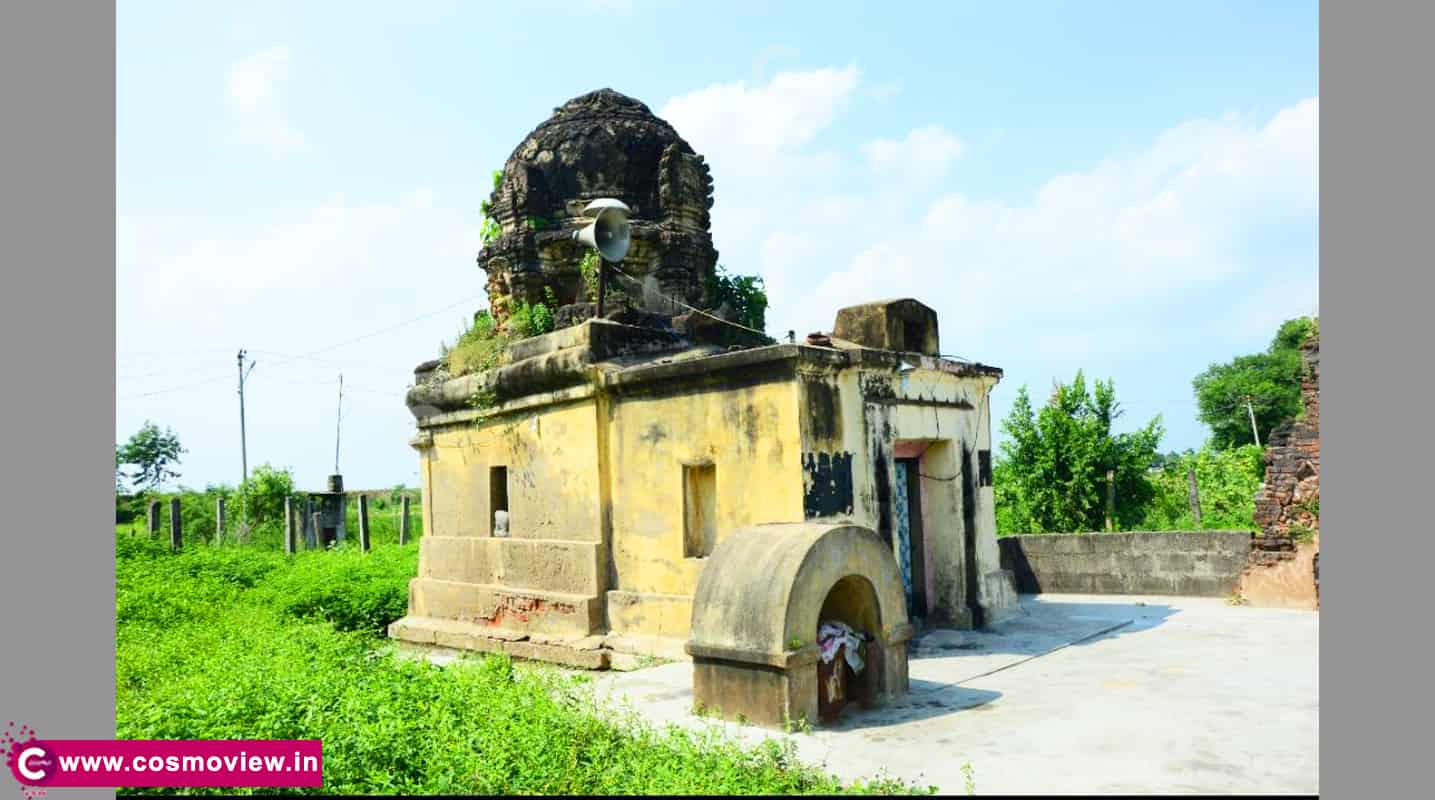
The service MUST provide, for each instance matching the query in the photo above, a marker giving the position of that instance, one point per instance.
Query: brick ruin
(1288, 504)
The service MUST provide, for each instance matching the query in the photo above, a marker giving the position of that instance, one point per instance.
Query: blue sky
(1128, 188)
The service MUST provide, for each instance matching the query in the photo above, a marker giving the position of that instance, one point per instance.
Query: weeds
(237, 643)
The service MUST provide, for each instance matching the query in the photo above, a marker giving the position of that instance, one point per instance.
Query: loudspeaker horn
(608, 232)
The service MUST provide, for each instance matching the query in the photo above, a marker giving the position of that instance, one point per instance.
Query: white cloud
(925, 154)
(747, 128)
(254, 93)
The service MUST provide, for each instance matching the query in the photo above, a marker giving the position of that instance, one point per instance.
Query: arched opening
(852, 601)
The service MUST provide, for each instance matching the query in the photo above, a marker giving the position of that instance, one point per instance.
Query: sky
(1125, 188)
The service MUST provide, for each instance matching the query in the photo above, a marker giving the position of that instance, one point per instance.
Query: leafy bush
(351, 590)
(480, 347)
(1227, 481)
(745, 295)
(526, 320)
(588, 268)
(491, 229)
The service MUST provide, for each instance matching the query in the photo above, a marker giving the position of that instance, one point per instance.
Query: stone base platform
(595, 652)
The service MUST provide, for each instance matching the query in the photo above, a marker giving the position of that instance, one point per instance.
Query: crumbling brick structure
(1288, 505)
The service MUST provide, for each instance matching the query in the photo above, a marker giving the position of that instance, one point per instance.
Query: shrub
(480, 347)
(1227, 481)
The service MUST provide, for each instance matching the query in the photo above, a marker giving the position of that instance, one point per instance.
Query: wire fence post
(364, 542)
(176, 525)
(1193, 494)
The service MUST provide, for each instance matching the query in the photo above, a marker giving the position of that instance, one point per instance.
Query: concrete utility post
(243, 441)
(1193, 494)
(1256, 435)
(243, 446)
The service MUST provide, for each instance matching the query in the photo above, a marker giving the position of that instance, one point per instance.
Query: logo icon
(29, 759)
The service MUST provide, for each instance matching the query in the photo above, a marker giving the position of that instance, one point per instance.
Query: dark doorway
(913, 552)
(853, 601)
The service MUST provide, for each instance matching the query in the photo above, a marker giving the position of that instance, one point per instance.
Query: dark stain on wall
(969, 538)
(876, 388)
(748, 419)
(883, 484)
(824, 421)
(829, 484)
(655, 433)
(984, 468)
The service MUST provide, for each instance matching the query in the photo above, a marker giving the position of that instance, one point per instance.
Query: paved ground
(1144, 695)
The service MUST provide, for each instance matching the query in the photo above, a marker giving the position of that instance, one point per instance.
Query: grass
(241, 642)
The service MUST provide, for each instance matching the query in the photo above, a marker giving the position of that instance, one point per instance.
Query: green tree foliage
(1271, 380)
(1051, 473)
(490, 229)
(744, 295)
(152, 453)
(264, 495)
(1227, 481)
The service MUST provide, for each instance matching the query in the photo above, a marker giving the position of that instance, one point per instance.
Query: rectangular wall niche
(497, 494)
(699, 510)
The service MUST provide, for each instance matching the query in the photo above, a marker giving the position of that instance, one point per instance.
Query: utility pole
(338, 417)
(243, 443)
(1252, 412)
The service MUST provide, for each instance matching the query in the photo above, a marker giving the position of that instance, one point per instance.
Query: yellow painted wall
(751, 434)
(552, 457)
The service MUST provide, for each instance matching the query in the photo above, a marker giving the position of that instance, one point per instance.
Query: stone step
(586, 652)
(502, 607)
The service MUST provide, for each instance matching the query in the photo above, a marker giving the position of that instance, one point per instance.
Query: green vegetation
(479, 348)
(526, 320)
(1270, 380)
(588, 268)
(1051, 474)
(483, 345)
(490, 229)
(234, 642)
(1227, 481)
(744, 295)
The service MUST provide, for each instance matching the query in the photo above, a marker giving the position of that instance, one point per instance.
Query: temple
(659, 482)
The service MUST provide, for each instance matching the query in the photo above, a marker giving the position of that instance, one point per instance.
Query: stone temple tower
(602, 144)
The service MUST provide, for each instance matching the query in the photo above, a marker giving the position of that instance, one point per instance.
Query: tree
(1051, 474)
(744, 295)
(153, 454)
(1270, 381)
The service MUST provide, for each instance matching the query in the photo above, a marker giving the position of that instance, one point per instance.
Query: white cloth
(832, 635)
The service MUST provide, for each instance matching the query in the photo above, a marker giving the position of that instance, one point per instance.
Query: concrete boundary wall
(1189, 563)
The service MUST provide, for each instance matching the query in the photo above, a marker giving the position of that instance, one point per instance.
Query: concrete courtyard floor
(1079, 694)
